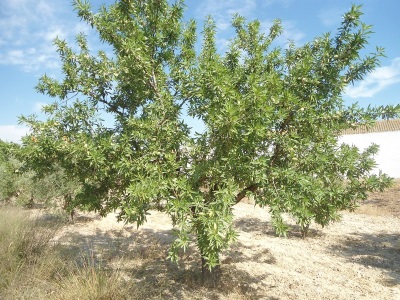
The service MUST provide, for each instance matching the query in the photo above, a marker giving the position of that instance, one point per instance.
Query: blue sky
(27, 28)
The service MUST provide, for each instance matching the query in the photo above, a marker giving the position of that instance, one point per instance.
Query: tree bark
(242, 194)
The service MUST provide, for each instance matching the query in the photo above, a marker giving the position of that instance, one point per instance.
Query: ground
(356, 258)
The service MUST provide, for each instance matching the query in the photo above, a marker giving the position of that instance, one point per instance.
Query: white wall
(388, 157)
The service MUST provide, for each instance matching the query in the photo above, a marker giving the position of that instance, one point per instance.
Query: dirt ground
(356, 258)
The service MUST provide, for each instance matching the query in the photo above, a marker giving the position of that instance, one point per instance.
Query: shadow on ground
(141, 256)
(373, 250)
(257, 226)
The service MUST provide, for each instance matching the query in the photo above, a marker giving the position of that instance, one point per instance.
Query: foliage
(24, 186)
(272, 120)
(9, 167)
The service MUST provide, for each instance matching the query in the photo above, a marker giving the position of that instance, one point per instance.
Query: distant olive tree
(22, 186)
(272, 119)
(8, 172)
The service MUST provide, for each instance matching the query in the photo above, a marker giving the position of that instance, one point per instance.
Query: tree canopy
(272, 119)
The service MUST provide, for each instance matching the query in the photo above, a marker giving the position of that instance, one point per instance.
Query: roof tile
(379, 126)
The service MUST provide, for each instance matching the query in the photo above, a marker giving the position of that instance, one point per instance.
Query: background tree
(272, 120)
(22, 186)
(8, 171)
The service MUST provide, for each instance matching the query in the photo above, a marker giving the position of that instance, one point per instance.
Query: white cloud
(44, 8)
(27, 29)
(12, 133)
(376, 81)
(331, 17)
(55, 32)
(38, 106)
(81, 28)
(283, 3)
(222, 11)
(225, 9)
(291, 33)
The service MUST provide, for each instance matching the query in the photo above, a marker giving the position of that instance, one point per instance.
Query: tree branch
(153, 83)
(183, 102)
(110, 105)
(242, 194)
(282, 128)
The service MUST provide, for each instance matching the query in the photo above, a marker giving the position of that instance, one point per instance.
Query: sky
(28, 28)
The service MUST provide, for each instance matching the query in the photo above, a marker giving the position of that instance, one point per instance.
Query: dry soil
(356, 258)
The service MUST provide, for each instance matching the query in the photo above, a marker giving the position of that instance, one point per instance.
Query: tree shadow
(49, 220)
(380, 251)
(237, 254)
(142, 256)
(254, 225)
(257, 226)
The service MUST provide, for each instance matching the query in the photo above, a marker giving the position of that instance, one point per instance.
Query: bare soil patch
(357, 258)
(383, 204)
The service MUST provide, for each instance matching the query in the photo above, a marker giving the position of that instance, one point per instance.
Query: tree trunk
(304, 230)
(209, 277)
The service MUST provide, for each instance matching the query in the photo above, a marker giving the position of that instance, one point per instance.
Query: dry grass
(89, 280)
(33, 267)
(383, 204)
(25, 259)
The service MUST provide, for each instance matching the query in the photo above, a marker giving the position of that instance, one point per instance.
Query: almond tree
(272, 119)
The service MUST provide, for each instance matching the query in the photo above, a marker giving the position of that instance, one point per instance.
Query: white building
(386, 134)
